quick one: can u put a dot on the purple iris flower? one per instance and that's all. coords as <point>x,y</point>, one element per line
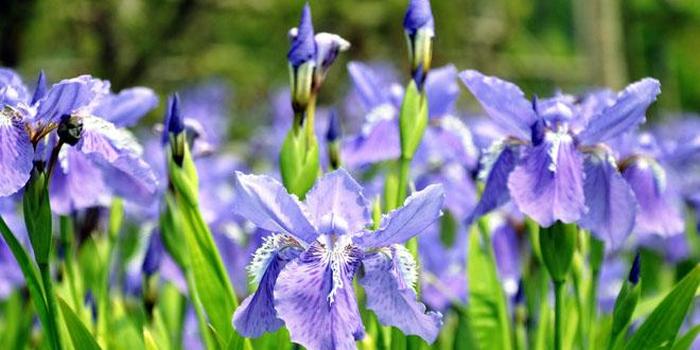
<point>105,160</point>
<point>305,270</point>
<point>554,164</point>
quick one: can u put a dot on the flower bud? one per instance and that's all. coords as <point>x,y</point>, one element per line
<point>173,130</point>
<point>332,140</point>
<point>557,245</point>
<point>302,60</point>
<point>328,46</point>
<point>419,26</point>
<point>154,255</point>
<point>70,128</point>
<point>627,299</point>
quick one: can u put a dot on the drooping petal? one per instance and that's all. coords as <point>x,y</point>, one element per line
<point>504,102</point>
<point>611,203</point>
<point>337,194</point>
<point>315,298</point>
<point>626,113</point>
<point>117,153</point>
<point>16,153</point>
<point>442,90</point>
<point>256,314</point>
<point>390,294</point>
<point>70,96</point>
<point>127,107</point>
<point>507,252</point>
<point>267,204</point>
<point>658,212</point>
<point>496,165</point>
<point>547,185</point>
<point>76,183</point>
<point>418,212</point>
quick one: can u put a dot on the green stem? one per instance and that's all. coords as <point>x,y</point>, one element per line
<point>558,315</point>
<point>45,272</point>
<point>404,174</point>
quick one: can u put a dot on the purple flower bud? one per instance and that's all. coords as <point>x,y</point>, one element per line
<point>418,16</point>
<point>334,130</point>
<point>176,124</point>
<point>154,255</point>
<point>303,44</point>
<point>635,270</point>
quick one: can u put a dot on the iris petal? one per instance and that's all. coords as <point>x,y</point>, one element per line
<point>16,153</point>
<point>268,205</point>
<point>548,184</point>
<point>393,299</point>
<point>497,165</point>
<point>315,298</point>
<point>338,194</point>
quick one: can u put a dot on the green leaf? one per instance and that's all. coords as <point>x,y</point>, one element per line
<point>31,276</point>
<point>79,334</point>
<point>488,314</point>
<point>661,327</point>
<point>686,341</point>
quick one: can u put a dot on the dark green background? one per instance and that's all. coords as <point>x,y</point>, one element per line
<point>544,44</point>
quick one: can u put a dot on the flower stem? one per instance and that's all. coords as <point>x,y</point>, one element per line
<point>404,173</point>
<point>45,271</point>
<point>558,315</point>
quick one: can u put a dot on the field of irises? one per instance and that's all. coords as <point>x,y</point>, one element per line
<point>400,222</point>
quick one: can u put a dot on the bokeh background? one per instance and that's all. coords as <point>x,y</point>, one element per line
<point>540,44</point>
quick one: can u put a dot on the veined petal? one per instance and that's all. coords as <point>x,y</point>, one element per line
<point>418,212</point>
<point>256,314</point>
<point>496,165</point>
<point>127,107</point>
<point>658,212</point>
<point>16,153</point>
<point>338,196</point>
<point>611,203</point>
<point>371,84</point>
<point>70,96</point>
<point>388,282</point>
<point>548,183</point>
<point>626,113</point>
<point>504,102</point>
<point>267,204</point>
<point>315,298</point>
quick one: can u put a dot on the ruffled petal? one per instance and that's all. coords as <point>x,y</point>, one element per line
<point>16,153</point>
<point>256,314</point>
<point>418,212</point>
<point>504,102</point>
<point>496,165</point>
<point>392,298</point>
<point>658,210</point>
<point>315,298</point>
<point>267,204</point>
<point>548,184</point>
<point>611,203</point>
<point>442,90</point>
<point>626,113</point>
<point>338,196</point>
<point>127,107</point>
<point>70,96</point>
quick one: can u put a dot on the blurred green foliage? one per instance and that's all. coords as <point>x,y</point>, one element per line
<point>542,44</point>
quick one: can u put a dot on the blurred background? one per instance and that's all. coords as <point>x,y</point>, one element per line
<point>540,44</point>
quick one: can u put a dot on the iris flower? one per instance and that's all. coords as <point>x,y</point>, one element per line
<point>306,269</point>
<point>104,158</point>
<point>555,164</point>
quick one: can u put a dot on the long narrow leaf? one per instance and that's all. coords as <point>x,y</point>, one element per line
<point>661,327</point>
<point>79,334</point>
